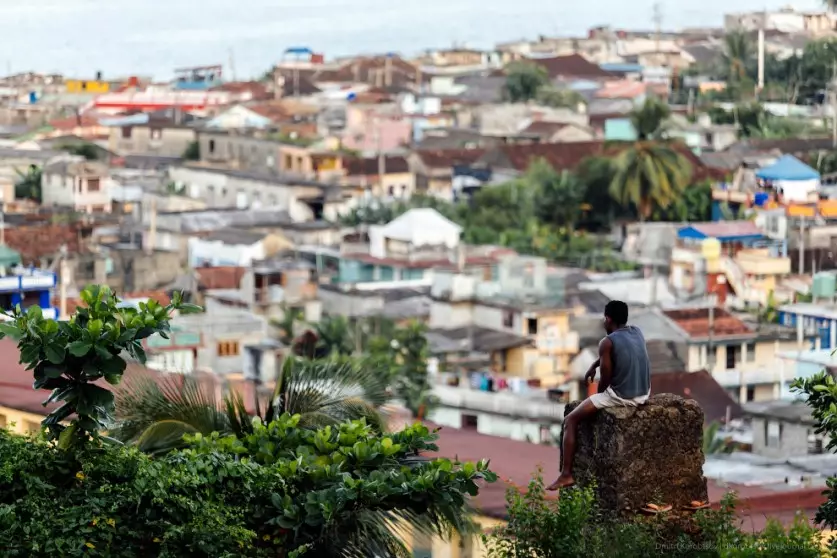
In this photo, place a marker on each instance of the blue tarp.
(788, 167)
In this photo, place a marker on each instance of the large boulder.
(639, 455)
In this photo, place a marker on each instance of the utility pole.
(832, 95)
(658, 23)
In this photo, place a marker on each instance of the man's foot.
(562, 482)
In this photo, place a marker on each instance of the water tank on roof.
(825, 285)
(711, 249)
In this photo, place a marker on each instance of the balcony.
(760, 262)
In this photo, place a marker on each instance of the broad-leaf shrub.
(571, 527)
(69, 357)
(279, 491)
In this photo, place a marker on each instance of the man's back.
(631, 367)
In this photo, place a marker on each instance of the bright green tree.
(648, 119)
(649, 174)
(28, 184)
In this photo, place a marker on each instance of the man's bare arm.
(606, 364)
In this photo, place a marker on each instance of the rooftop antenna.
(658, 23)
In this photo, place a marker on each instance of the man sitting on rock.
(625, 380)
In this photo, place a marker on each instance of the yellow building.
(21, 422)
(87, 86)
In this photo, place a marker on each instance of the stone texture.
(652, 453)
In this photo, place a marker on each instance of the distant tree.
(524, 80)
(412, 383)
(648, 119)
(597, 174)
(560, 195)
(334, 336)
(649, 174)
(553, 97)
(287, 323)
(86, 150)
(738, 50)
(192, 152)
(28, 185)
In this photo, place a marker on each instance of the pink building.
(373, 128)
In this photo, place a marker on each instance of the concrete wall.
(495, 425)
(147, 140)
(793, 439)
(21, 422)
(217, 253)
(239, 151)
(224, 190)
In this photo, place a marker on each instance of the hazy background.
(124, 37)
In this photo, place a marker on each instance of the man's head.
(616, 315)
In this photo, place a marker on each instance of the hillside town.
(487, 203)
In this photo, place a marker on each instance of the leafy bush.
(280, 491)
(69, 357)
(571, 527)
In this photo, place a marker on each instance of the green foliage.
(67, 358)
(287, 324)
(334, 336)
(572, 527)
(86, 150)
(820, 393)
(714, 445)
(409, 354)
(280, 490)
(524, 80)
(650, 174)
(648, 119)
(193, 151)
(28, 184)
(155, 415)
(565, 98)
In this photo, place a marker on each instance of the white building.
(73, 182)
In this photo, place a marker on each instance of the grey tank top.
(631, 368)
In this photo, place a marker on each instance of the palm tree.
(155, 415)
(649, 173)
(286, 324)
(648, 119)
(334, 336)
(737, 52)
(28, 184)
(714, 445)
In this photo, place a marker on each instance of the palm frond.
(164, 436)
(144, 402)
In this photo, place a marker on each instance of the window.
(3, 421)
(126, 132)
(815, 443)
(156, 133)
(732, 356)
(469, 422)
(508, 318)
(751, 352)
(31, 426)
(532, 326)
(772, 433)
(93, 184)
(228, 348)
(751, 394)
(212, 146)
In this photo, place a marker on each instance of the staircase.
(735, 277)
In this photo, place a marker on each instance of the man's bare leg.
(583, 411)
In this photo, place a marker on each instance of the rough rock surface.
(648, 454)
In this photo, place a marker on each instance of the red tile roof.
(447, 158)
(570, 155)
(572, 66)
(221, 277)
(702, 387)
(74, 122)
(515, 462)
(369, 166)
(695, 322)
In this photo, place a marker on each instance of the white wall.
(217, 253)
(496, 425)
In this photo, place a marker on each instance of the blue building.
(812, 319)
(25, 286)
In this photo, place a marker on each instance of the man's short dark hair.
(617, 311)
